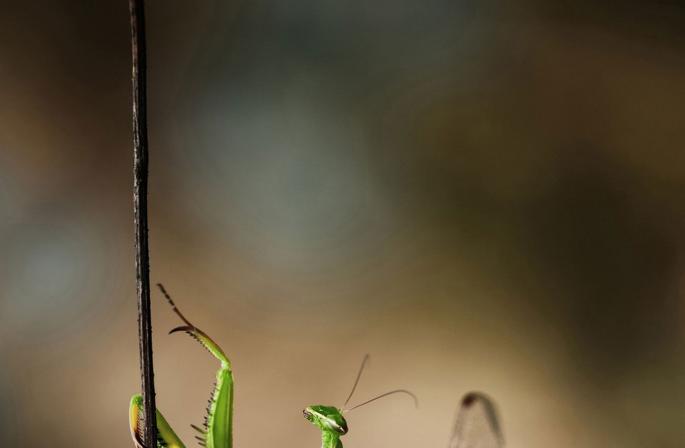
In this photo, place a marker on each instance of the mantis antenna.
(356, 381)
(396, 391)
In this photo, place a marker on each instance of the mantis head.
(330, 420)
(326, 418)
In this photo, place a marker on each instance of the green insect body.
(330, 420)
(217, 431)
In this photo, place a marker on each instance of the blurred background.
(481, 195)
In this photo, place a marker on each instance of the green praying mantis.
(476, 425)
(330, 420)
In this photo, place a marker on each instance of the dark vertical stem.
(140, 174)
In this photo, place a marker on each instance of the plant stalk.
(140, 216)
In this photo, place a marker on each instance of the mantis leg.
(218, 431)
(218, 425)
(166, 436)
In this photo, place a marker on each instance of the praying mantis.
(476, 425)
(330, 420)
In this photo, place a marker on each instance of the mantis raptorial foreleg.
(217, 431)
(166, 436)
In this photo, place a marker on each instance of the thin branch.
(140, 175)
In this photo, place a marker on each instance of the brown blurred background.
(482, 195)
